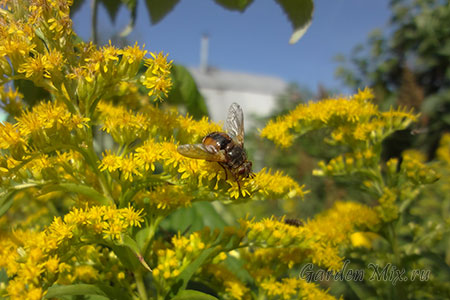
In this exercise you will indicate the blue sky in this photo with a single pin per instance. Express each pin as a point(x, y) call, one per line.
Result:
point(255, 41)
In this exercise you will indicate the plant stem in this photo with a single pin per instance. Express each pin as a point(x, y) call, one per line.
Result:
point(94, 6)
point(140, 285)
point(153, 225)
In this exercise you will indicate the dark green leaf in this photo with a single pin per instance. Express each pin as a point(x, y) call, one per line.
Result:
point(6, 200)
point(141, 236)
point(438, 261)
point(112, 6)
point(75, 6)
point(187, 273)
point(209, 215)
point(126, 256)
point(86, 289)
point(299, 13)
point(185, 92)
point(31, 94)
point(159, 9)
point(193, 295)
point(236, 266)
point(130, 243)
point(3, 276)
point(85, 190)
point(199, 215)
point(239, 5)
point(131, 4)
point(361, 290)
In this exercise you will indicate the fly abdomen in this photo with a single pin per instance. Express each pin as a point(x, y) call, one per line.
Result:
point(219, 140)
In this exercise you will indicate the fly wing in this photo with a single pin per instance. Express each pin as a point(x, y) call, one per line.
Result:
point(235, 123)
point(200, 151)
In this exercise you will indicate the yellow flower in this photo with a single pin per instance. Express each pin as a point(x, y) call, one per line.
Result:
point(132, 54)
point(10, 136)
point(158, 64)
point(131, 216)
point(287, 288)
point(230, 286)
point(110, 162)
point(86, 273)
point(157, 77)
point(123, 125)
point(158, 85)
point(443, 152)
point(363, 239)
point(335, 224)
point(51, 265)
point(36, 67)
point(167, 198)
point(148, 154)
point(129, 167)
point(354, 120)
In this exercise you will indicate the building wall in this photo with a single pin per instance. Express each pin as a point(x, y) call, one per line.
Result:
point(252, 103)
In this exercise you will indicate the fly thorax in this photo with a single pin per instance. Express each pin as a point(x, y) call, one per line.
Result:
point(236, 155)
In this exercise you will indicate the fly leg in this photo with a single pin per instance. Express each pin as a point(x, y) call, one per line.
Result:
point(239, 187)
point(236, 178)
point(225, 170)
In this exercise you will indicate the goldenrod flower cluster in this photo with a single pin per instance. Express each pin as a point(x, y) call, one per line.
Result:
point(11, 101)
point(157, 77)
point(173, 259)
point(38, 259)
point(231, 287)
point(88, 174)
point(358, 124)
point(443, 152)
point(355, 121)
point(316, 240)
point(294, 288)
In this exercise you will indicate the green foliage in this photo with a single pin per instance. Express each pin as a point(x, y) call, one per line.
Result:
point(185, 92)
point(299, 12)
point(408, 65)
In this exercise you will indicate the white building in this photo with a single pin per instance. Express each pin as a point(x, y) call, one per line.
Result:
point(255, 93)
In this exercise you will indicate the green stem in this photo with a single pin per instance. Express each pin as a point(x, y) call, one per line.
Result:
point(140, 285)
point(92, 159)
point(94, 6)
point(398, 291)
point(148, 239)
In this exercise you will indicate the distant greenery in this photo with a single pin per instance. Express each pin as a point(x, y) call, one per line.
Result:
point(408, 64)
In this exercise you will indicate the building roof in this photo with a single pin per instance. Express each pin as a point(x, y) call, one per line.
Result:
point(217, 79)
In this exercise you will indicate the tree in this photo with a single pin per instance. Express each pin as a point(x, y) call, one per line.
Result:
point(409, 65)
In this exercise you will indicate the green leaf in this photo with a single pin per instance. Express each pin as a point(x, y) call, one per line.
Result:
point(126, 256)
point(196, 217)
point(236, 266)
point(131, 4)
point(141, 236)
point(239, 5)
point(159, 9)
point(187, 273)
point(6, 200)
point(112, 7)
point(86, 289)
point(299, 13)
point(84, 190)
point(193, 295)
point(130, 243)
point(362, 291)
point(77, 4)
point(185, 91)
point(32, 94)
